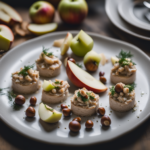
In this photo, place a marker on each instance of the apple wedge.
(114, 60)
(81, 78)
(58, 43)
(6, 37)
(66, 44)
(9, 15)
(47, 86)
(39, 29)
(48, 114)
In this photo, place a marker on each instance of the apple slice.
(66, 44)
(58, 43)
(114, 60)
(81, 44)
(39, 29)
(48, 114)
(47, 86)
(81, 78)
(9, 15)
(6, 37)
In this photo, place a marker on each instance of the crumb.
(65, 128)
(93, 117)
(97, 121)
(137, 116)
(140, 110)
(111, 111)
(109, 114)
(58, 127)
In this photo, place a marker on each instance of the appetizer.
(48, 114)
(84, 102)
(48, 65)
(55, 92)
(122, 97)
(26, 80)
(124, 69)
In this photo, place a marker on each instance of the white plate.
(125, 9)
(29, 51)
(112, 13)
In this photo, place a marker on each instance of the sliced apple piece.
(58, 43)
(47, 86)
(48, 114)
(81, 44)
(8, 15)
(6, 37)
(39, 29)
(81, 78)
(114, 59)
(66, 44)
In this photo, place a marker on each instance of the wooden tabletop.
(98, 22)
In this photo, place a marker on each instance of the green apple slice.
(66, 44)
(47, 86)
(39, 29)
(114, 60)
(85, 38)
(48, 114)
(92, 56)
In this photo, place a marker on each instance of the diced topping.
(122, 93)
(124, 66)
(85, 98)
(26, 75)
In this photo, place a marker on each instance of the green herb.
(15, 106)
(79, 65)
(48, 108)
(46, 53)
(57, 82)
(56, 87)
(76, 99)
(24, 72)
(112, 90)
(130, 86)
(90, 96)
(123, 58)
(82, 97)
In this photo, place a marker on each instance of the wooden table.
(98, 22)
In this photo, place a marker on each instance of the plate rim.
(135, 19)
(122, 28)
(72, 144)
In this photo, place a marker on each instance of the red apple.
(8, 15)
(42, 12)
(6, 37)
(81, 78)
(73, 11)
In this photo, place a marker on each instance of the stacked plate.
(130, 17)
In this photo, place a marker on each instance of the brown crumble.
(109, 114)
(111, 111)
(97, 121)
(140, 110)
(58, 127)
(65, 128)
(137, 116)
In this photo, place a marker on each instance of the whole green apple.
(73, 11)
(81, 44)
(41, 12)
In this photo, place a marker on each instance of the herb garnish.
(82, 97)
(57, 82)
(90, 96)
(24, 72)
(57, 87)
(11, 95)
(79, 65)
(130, 86)
(112, 90)
(48, 108)
(46, 53)
(123, 58)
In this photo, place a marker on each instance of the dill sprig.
(48, 108)
(45, 51)
(112, 90)
(123, 58)
(130, 86)
(79, 65)
(24, 72)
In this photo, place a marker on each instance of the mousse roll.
(84, 102)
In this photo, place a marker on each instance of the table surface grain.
(98, 22)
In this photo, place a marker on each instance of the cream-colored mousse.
(84, 102)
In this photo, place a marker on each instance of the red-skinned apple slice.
(81, 78)
(8, 15)
(6, 37)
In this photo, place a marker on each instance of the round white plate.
(125, 9)
(112, 13)
(59, 133)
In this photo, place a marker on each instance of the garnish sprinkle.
(79, 65)
(123, 58)
(112, 90)
(57, 82)
(25, 69)
(82, 97)
(46, 53)
(130, 86)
